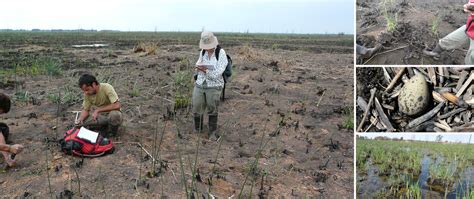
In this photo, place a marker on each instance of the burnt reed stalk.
(211, 176)
(47, 172)
(194, 166)
(159, 158)
(154, 152)
(181, 165)
(253, 166)
(78, 180)
(258, 154)
(214, 165)
(58, 113)
(141, 163)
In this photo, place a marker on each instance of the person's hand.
(201, 68)
(468, 8)
(77, 123)
(94, 115)
(16, 148)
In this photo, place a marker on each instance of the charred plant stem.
(214, 166)
(383, 117)
(366, 112)
(425, 117)
(181, 165)
(251, 188)
(78, 180)
(195, 165)
(254, 165)
(140, 167)
(153, 163)
(395, 79)
(47, 172)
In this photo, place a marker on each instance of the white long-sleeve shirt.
(212, 77)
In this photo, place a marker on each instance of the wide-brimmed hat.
(208, 40)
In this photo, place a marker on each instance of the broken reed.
(258, 154)
(194, 169)
(157, 150)
(157, 153)
(181, 165)
(190, 193)
(214, 163)
(47, 172)
(254, 165)
(78, 179)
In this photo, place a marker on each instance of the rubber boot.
(198, 120)
(111, 131)
(213, 135)
(372, 51)
(366, 53)
(435, 53)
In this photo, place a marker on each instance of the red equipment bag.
(470, 24)
(73, 145)
(470, 27)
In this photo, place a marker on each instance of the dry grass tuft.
(147, 48)
(248, 53)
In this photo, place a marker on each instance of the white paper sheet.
(206, 65)
(87, 134)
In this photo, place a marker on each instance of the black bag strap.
(88, 155)
(469, 25)
(217, 51)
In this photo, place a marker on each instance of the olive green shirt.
(104, 97)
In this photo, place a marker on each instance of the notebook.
(88, 135)
(206, 65)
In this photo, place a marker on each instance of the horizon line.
(111, 30)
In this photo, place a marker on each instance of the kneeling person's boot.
(366, 53)
(198, 119)
(435, 53)
(111, 130)
(213, 135)
(114, 122)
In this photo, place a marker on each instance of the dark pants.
(206, 99)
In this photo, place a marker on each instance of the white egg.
(414, 96)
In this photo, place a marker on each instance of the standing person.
(106, 115)
(458, 38)
(209, 83)
(7, 150)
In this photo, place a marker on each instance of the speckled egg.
(414, 96)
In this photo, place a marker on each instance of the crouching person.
(100, 108)
(209, 83)
(8, 151)
(458, 38)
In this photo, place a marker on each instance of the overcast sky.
(424, 137)
(275, 16)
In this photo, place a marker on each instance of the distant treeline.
(56, 30)
(93, 30)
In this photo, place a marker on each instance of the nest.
(449, 110)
